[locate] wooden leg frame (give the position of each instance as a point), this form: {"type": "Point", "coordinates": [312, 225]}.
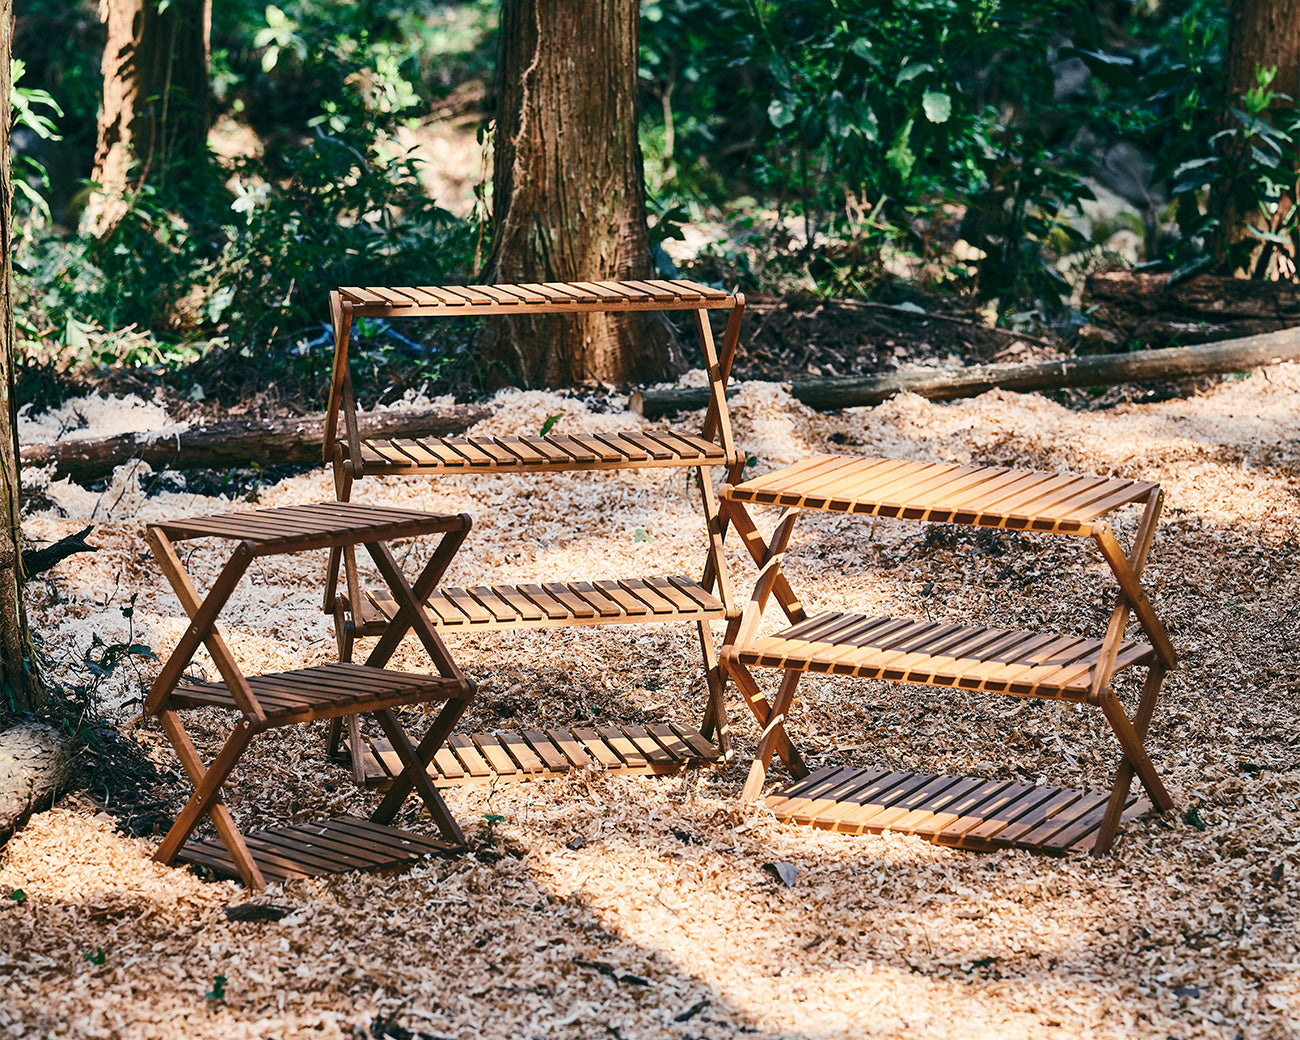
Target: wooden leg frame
{"type": "Point", "coordinates": [1131, 598]}
{"type": "Point", "coordinates": [208, 779]}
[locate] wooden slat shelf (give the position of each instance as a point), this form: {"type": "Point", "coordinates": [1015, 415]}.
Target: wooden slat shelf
{"type": "Point", "coordinates": [552, 453]}
{"type": "Point", "coordinates": [982, 496]}
{"type": "Point", "coordinates": [627, 601]}
{"type": "Point", "coordinates": [332, 846]}
{"type": "Point", "coordinates": [968, 813]}
{"type": "Point", "coordinates": [967, 657]}
{"type": "Point", "coordinates": [532, 297]}
{"type": "Point", "coordinates": [319, 525]}
{"type": "Point", "coordinates": [324, 692]}
{"type": "Point", "coordinates": [534, 754]}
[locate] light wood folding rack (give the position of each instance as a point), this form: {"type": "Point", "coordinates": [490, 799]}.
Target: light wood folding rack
{"type": "Point", "coordinates": [364, 612]}
{"type": "Point", "coordinates": [265, 702]}
{"type": "Point", "coordinates": [950, 809]}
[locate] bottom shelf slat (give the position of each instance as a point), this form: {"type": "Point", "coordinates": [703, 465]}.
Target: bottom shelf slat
{"type": "Point", "coordinates": [332, 846]}
{"type": "Point", "coordinates": [507, 756]}
{"type": "Point", "coordinates": [963, 812]}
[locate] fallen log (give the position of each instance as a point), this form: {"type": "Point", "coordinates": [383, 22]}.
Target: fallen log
{"type": "Point", "coordinates": [237, 442]}
{"type": "Point", "coordinates": [944, 384]}
{"type": "Point", "coordinates": [35, 762]}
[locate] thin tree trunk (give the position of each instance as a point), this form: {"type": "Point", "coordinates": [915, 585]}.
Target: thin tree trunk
{"type": "Point", "coordinates": [1262, 34]}
{"type": "Point", "coordinates": [568, 194]}
{"type": "Point", "coordinates": [154, 114]}
{"type": "Point", "coordinates": [21, 685]}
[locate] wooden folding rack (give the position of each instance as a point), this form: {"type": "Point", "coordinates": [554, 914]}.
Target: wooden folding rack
{"type": "Point", "coordinates": [979, 659]}
{"type": "Point", "coordinates": [365, 612]}
{"type": "Point", "coordinates": [263, 702]}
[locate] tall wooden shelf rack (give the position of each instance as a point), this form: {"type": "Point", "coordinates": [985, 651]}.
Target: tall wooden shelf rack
{"type": "Point", "coordinates": [482, 757]}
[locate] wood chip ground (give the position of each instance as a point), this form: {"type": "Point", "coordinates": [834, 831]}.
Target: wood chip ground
{"type": "Point", "coordinates": [600, 906]}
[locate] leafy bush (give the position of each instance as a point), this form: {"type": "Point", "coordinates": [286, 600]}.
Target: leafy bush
{"type": "Point", "coordinates": [862, 123]}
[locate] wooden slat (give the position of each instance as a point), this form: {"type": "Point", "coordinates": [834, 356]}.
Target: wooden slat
{"type": "Point", "coordinates": [1020, 663]}
{"type": "Point", "coordinates": [966, 811]}
{"type": "Point", "coordinates": [319, 848]}
{"type": "Point", "coordinates": [1066, 503]}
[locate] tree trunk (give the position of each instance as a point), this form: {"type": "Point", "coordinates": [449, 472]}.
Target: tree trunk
{"type": "Point", "coordinates": [1262, 34]}
{"type": "Point", "coordinates": [21, 685]}
{"type": "Point", "coordinates": [154, 115]}
{"type": "Point", "coordinates": [568, 194]}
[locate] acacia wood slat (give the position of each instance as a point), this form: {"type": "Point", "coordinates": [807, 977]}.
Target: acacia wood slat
{"type": "Point", "coordinates": [977, 658]}
{"type": "Point", "coordinates": [537, 754]}
{"type": "Point", "coordinates": [322, 847]}
{"type": "Point", "coordinates": [554, 452]}
{"type": "Point", "coordinates": [321, 692]}
{"type": "Point", "coordinates": [1066, 503]}
{"type": "Point", "coordinates": [604, 602]}
{"type": "Point", "coordinates": [966, 811]}
{"type": "Point", "coordinates": [517, 748]}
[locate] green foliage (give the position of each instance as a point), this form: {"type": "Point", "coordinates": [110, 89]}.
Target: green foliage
{"type": "Point", "coordinates": [859, 124]}
{"type": "Point", "coordinates": [35, 110]}
{"type": "Point", "coordinates": [242, 256]}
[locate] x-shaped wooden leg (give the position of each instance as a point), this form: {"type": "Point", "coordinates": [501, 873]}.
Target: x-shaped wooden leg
{"type": "Point", "coordinates": [770, 715]}
{"type": "Point", "coordinates": [1130, 734]}
{"type": "Point", "coordinates": [411, 615]}
{"type": "Point", "coordinates": [207, 781]}
{"type": "Point", "coordinates": [1124, 774]}
{"type": "Point", "coordinates": [773, 739]}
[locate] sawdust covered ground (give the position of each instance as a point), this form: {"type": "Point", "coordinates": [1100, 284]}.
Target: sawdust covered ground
{"type": "Point", "coordinates": [600, 906]}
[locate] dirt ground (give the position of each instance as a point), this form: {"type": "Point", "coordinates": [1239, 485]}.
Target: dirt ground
{"type": "Point", "coordinates": [600, 906]}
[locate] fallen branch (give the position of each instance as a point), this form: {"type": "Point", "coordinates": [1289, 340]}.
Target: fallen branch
{"type": "Point", "coordinates": [36, 561]}
{"type": "Point", "coordinates": [237, 442]}
{"type": "Point", "coordinates": [944, 384]}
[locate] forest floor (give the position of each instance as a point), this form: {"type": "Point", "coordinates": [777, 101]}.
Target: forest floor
{"type": "Point", "coordinates": [662, 921]}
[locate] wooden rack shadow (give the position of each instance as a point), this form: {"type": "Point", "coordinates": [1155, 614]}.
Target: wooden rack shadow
{"type": "Point", "coordinates": [361, 611]}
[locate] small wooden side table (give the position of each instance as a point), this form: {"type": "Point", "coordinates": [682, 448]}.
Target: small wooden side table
{"type": "Point", "coordinates": [329, 691]}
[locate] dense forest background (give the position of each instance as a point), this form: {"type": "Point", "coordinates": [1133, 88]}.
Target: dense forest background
{"type": "Point", "coordinates": [978, 158]}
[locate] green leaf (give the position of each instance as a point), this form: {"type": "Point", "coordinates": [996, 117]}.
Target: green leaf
{"type": "Point", "coordinates": [550, 422]}
{"type": "Point", "coordinates": [780, 112]}
{"type": "Point", "coordinates": [18, 896]}
{"type": "Point", "coordinates": [862, 48]}
{"type": "Point", "coordinates": [937, 105]}
{"type": "Point", "coordinates": [642, 535]}
{"type": "Point", "coordinates": [98, 957]}
{"type": "Point", "coordinates": [911, 72]}
{"type": "Point", "coordinates": [218, 990]}
{"type": "Point", "coordinates": [900, 156]}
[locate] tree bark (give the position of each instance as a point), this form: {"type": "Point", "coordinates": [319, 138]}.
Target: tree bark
{"type": "Point", "coordinates": [238, 442]}
{"type": "Point", "coordinates": [568, 194]}
{"type": "Point", "coordinates": [21, 685]}
{"type": "Point", "coordinates": [1262, 34]}
{"type": "Point", "coordinates": [948, 384]}
{"type": "Point", "coordinates": [154, 114]}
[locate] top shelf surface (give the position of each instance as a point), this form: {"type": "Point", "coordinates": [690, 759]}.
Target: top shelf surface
{"type": "Point", "coordinates": [297, 528]}
{"type": "Point", "coordinates": [982, 496]}
{"type": "Point", "coordinates": [534, 297]}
